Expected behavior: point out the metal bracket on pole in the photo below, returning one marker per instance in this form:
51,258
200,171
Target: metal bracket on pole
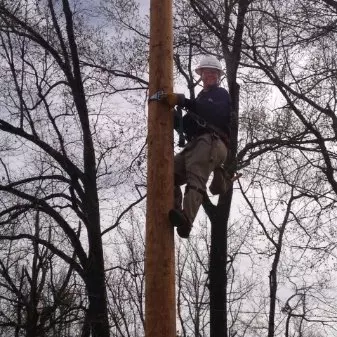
157,96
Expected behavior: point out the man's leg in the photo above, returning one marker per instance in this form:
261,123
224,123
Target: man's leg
177,215
194,166
208,153
198,169
195,189
194,195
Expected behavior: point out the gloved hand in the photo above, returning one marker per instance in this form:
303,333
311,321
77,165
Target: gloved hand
172,99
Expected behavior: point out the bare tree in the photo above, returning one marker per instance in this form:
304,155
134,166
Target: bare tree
126,277
48,117
56,86
36,292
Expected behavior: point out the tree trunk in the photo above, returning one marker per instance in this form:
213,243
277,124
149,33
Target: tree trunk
219,253
217,272
32,319
97,315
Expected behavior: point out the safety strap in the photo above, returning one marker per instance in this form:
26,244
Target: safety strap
181,142
202,123
210,127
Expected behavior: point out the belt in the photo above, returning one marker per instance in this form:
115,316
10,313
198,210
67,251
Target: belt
224,137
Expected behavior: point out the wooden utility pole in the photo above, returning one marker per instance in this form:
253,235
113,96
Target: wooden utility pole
160,306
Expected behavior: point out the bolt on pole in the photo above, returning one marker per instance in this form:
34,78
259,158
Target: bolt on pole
160,305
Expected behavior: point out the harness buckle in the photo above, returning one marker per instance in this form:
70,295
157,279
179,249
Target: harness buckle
201,122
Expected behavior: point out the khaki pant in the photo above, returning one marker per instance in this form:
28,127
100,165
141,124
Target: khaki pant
193,166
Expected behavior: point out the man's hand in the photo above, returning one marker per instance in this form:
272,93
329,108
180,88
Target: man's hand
172,99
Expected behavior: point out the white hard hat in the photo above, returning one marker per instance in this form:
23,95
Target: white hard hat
209,61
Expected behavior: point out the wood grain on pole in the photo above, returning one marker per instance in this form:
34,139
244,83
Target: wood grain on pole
160,311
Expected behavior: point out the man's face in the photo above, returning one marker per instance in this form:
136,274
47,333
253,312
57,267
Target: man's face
210,77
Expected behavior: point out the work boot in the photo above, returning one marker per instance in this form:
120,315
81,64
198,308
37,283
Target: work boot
180,220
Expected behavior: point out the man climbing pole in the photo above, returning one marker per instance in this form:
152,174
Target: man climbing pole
206,128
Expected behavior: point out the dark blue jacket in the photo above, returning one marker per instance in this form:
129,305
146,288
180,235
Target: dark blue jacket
212,106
